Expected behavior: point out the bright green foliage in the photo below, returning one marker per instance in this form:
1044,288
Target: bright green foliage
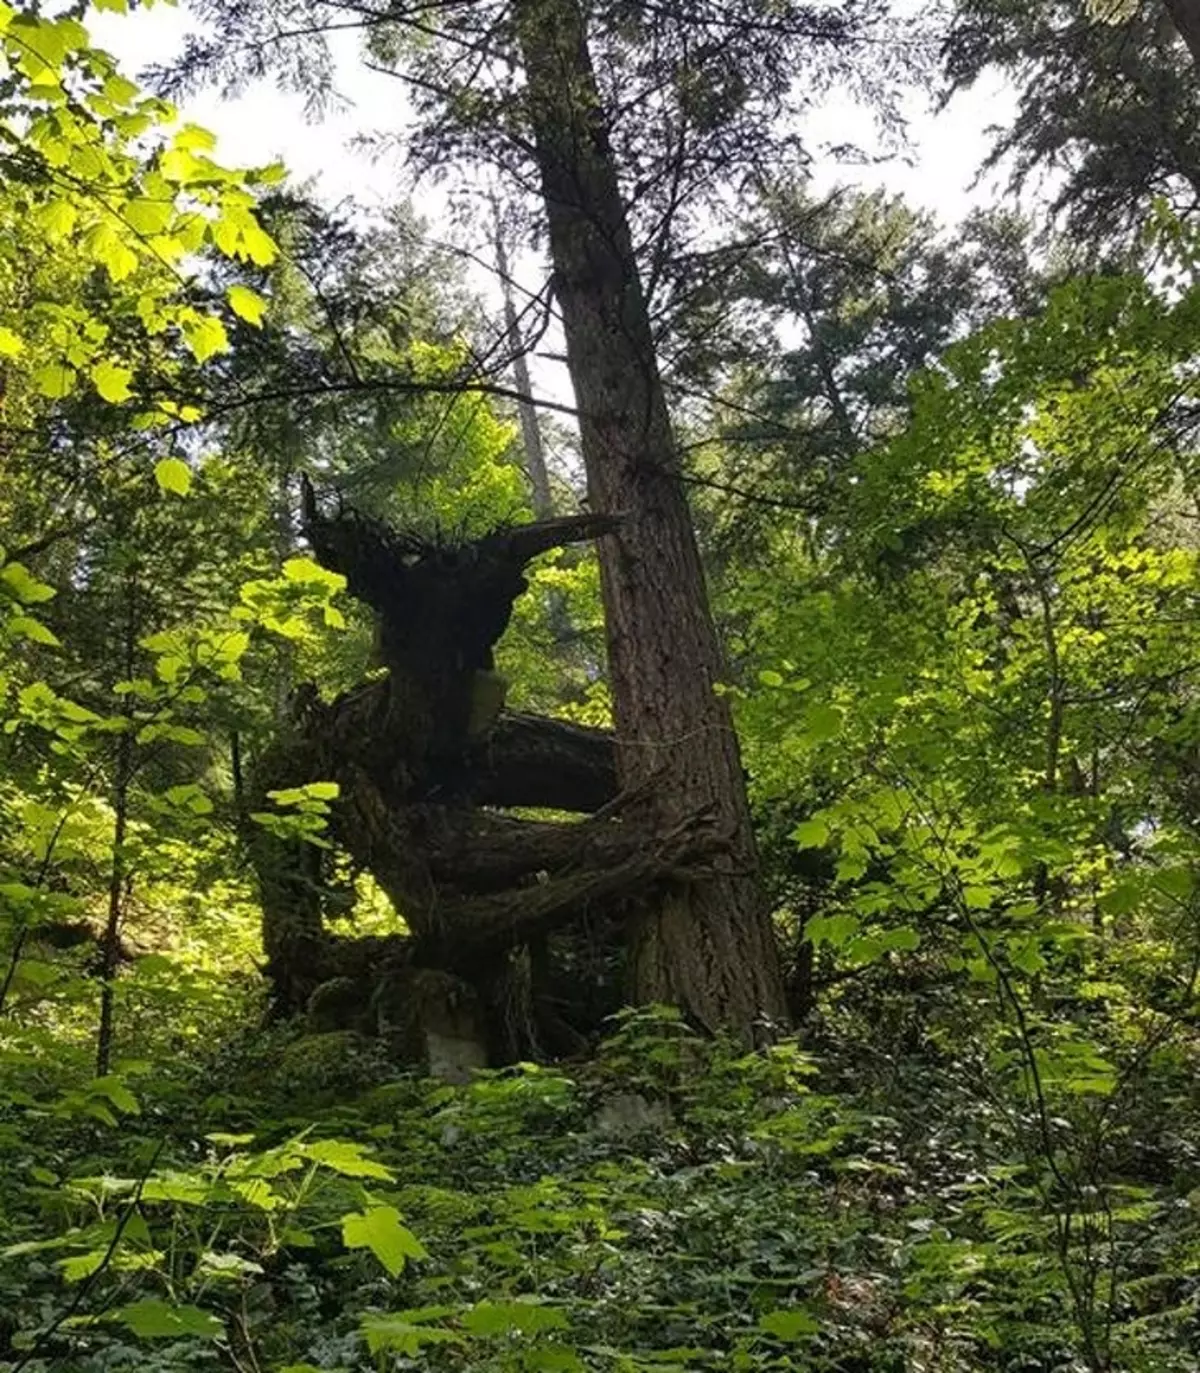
994,701
379,1230
973,734
98,183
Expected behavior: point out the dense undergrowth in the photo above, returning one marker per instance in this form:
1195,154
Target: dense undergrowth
673,1204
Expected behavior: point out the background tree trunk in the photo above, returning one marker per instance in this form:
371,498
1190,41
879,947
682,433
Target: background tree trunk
531,433
1185,15
707,945
118,872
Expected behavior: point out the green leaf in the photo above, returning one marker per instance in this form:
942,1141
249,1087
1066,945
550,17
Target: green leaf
10,343
1026,954
174,475
149,216
834,930
227,1266
45,43
151,1319
273,174
179,166
257,245
106,244
189,796
400,1334
194,137
24,586
812,833
380,1231
791,1324
553,1358
57,219
26,627
867,948
308,570
205,336
114,1090
184,1189
33,972
338,1154
184,734
55,380
822,723
1124,897
902,940
80,1266
112,382
258,1192
247,305
168,667
521,1317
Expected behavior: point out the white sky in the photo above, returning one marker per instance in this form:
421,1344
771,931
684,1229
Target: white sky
266,123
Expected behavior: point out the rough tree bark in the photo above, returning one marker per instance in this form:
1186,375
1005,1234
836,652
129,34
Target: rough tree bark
706,946
1185,15
417,769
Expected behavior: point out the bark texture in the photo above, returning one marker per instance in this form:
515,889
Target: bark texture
489,898
1185,15
707,946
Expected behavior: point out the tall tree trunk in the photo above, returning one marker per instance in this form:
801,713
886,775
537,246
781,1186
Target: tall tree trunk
1185,15
557,613
531,434
708,945
119,878
285,547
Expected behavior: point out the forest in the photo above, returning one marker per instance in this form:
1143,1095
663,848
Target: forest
600,760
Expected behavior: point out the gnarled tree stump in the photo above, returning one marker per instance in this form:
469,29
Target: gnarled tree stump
424,771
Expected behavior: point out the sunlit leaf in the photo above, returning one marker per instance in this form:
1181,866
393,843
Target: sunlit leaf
174,475
23,585
205,336
55,380
379,1229
402,1334
112,381
342,1156
247,304
26,627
